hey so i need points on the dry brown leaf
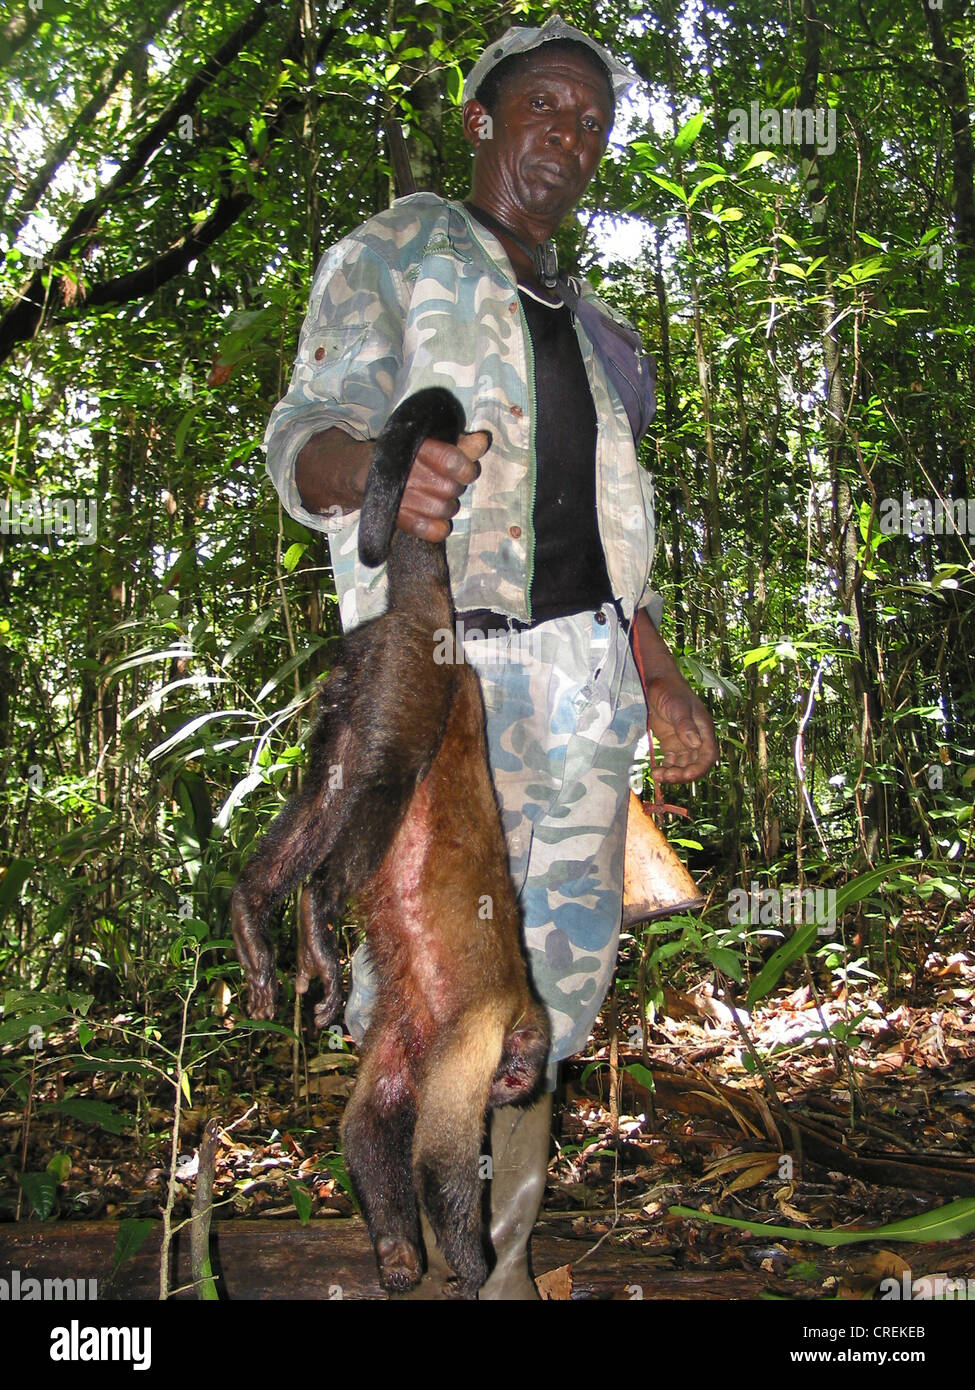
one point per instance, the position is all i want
(743, 1123)
(732, 1163)
(328, 1061)
(852, 1293)
(219, 372)
(556, 1286)
(787, 1209)
(753, 1176)
(884, 1264)
(326, 1086)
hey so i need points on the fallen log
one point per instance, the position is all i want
(332, 1259)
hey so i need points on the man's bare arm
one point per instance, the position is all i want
(331, 470)
(675, 715)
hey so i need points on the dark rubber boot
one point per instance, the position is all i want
(519, 1152)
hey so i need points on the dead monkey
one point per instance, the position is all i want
(398, 810)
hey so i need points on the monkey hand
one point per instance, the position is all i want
(262, 984)
(683, 727)
(439, 475)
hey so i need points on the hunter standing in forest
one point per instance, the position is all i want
(549, 534)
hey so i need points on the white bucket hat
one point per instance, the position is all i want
(519, 40)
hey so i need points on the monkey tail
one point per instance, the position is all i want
(434, 413)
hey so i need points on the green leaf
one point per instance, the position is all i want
(188, 730)
(166, 605)
(668, 949)
(726, 961)
(20, 1026)
(133, 1232)
(641, 1074)
(865, 884)
(265, 1026)
(771, 972)
(292, 555)
(95, 1112)
(747, 260)
(950, 1222)
(670, 186)
(334, 1164)
(302, 1200)
(145, 657)
(41, 1190)
(942, 885)
(709, 182)
(59, 1166)
(18, 872)
(759, 157)
(254, 631)
(689, 131)
(455, 84)
(284, 671)
(182, 429)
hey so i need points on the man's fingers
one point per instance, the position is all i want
(675, 764)
(687, 732)
(691, 773)
(439, 475)
(432, 497)
(683, 764)
(425, 527)
(455, 465)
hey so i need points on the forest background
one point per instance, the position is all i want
(171, 175)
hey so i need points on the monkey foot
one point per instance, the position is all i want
(318, 965)
(326, 1010)
(399, 1263)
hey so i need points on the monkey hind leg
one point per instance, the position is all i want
(377, 1140)
(451, 1107)
(318, 955)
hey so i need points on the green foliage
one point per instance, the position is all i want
(951, 1222)
(41, 1190)
(164, 213)
(132, 1235)
(302, 1200)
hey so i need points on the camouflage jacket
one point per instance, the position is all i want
(421, 295)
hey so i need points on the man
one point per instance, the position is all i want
(549, 532)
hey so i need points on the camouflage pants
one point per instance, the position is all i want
(565, 710)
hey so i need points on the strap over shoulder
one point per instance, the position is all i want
(632, 371)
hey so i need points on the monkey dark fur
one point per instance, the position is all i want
(398, 811)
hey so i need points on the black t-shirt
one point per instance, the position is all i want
(570, 568)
